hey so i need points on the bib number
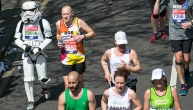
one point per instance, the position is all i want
(179, 16)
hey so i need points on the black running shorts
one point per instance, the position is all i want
(80, 68)
(181, 45)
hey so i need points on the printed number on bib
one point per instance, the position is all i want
(179, 16)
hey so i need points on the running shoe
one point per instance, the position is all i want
(163, 34)
(46, 93)
(30, 106)
(183, 90)
(153, 37)
(2, 33)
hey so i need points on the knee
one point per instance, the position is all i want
(155, 16)
(179, 63)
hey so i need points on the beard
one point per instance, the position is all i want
(73, 89)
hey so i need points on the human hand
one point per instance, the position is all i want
(78, 38)
(186, 25)
(27, 48)
(35, 50)
(122, 64)
(108, 77)
(60, 45)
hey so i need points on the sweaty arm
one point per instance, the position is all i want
(104, 64)
(92, 101)
(133, 97)
(61, 101)
(176, 100)
(136, 68)
(104, 100)
(146, 99)
(83, 26)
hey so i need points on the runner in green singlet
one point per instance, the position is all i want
(76, 97)
(160, 96)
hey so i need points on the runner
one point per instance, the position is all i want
(180, 34)
(70, 41)
(76, 97)
(33, 34)
(120, 97)
(121, 56)
(155, 20)
(160, 96)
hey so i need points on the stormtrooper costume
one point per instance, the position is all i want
(33, 41)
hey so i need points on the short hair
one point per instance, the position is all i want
(122, 72)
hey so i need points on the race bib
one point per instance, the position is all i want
(31, 32)
(179, 15)
(69, 43)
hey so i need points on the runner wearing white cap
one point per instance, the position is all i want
(121, 56)
(160, 96)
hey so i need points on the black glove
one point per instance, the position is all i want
(27, 48)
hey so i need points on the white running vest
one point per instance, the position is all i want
(119, 102)
(115, 61)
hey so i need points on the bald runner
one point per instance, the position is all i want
(76, 97)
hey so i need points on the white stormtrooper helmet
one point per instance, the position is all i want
(30, 12)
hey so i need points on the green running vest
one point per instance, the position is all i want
(80, 104)
(165, 102)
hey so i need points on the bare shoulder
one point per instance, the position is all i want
(133, 52)
(147, 92)
(91, 96)
(82, 24)
(61, 98)
(173, 89)
(90, 93)
(108, 52)
(58, 23)
(131, 93)
(80, 21)
(106, 92)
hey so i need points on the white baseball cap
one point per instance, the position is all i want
(121, 37)
(157, 74)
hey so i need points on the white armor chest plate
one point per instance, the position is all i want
(32, 34)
